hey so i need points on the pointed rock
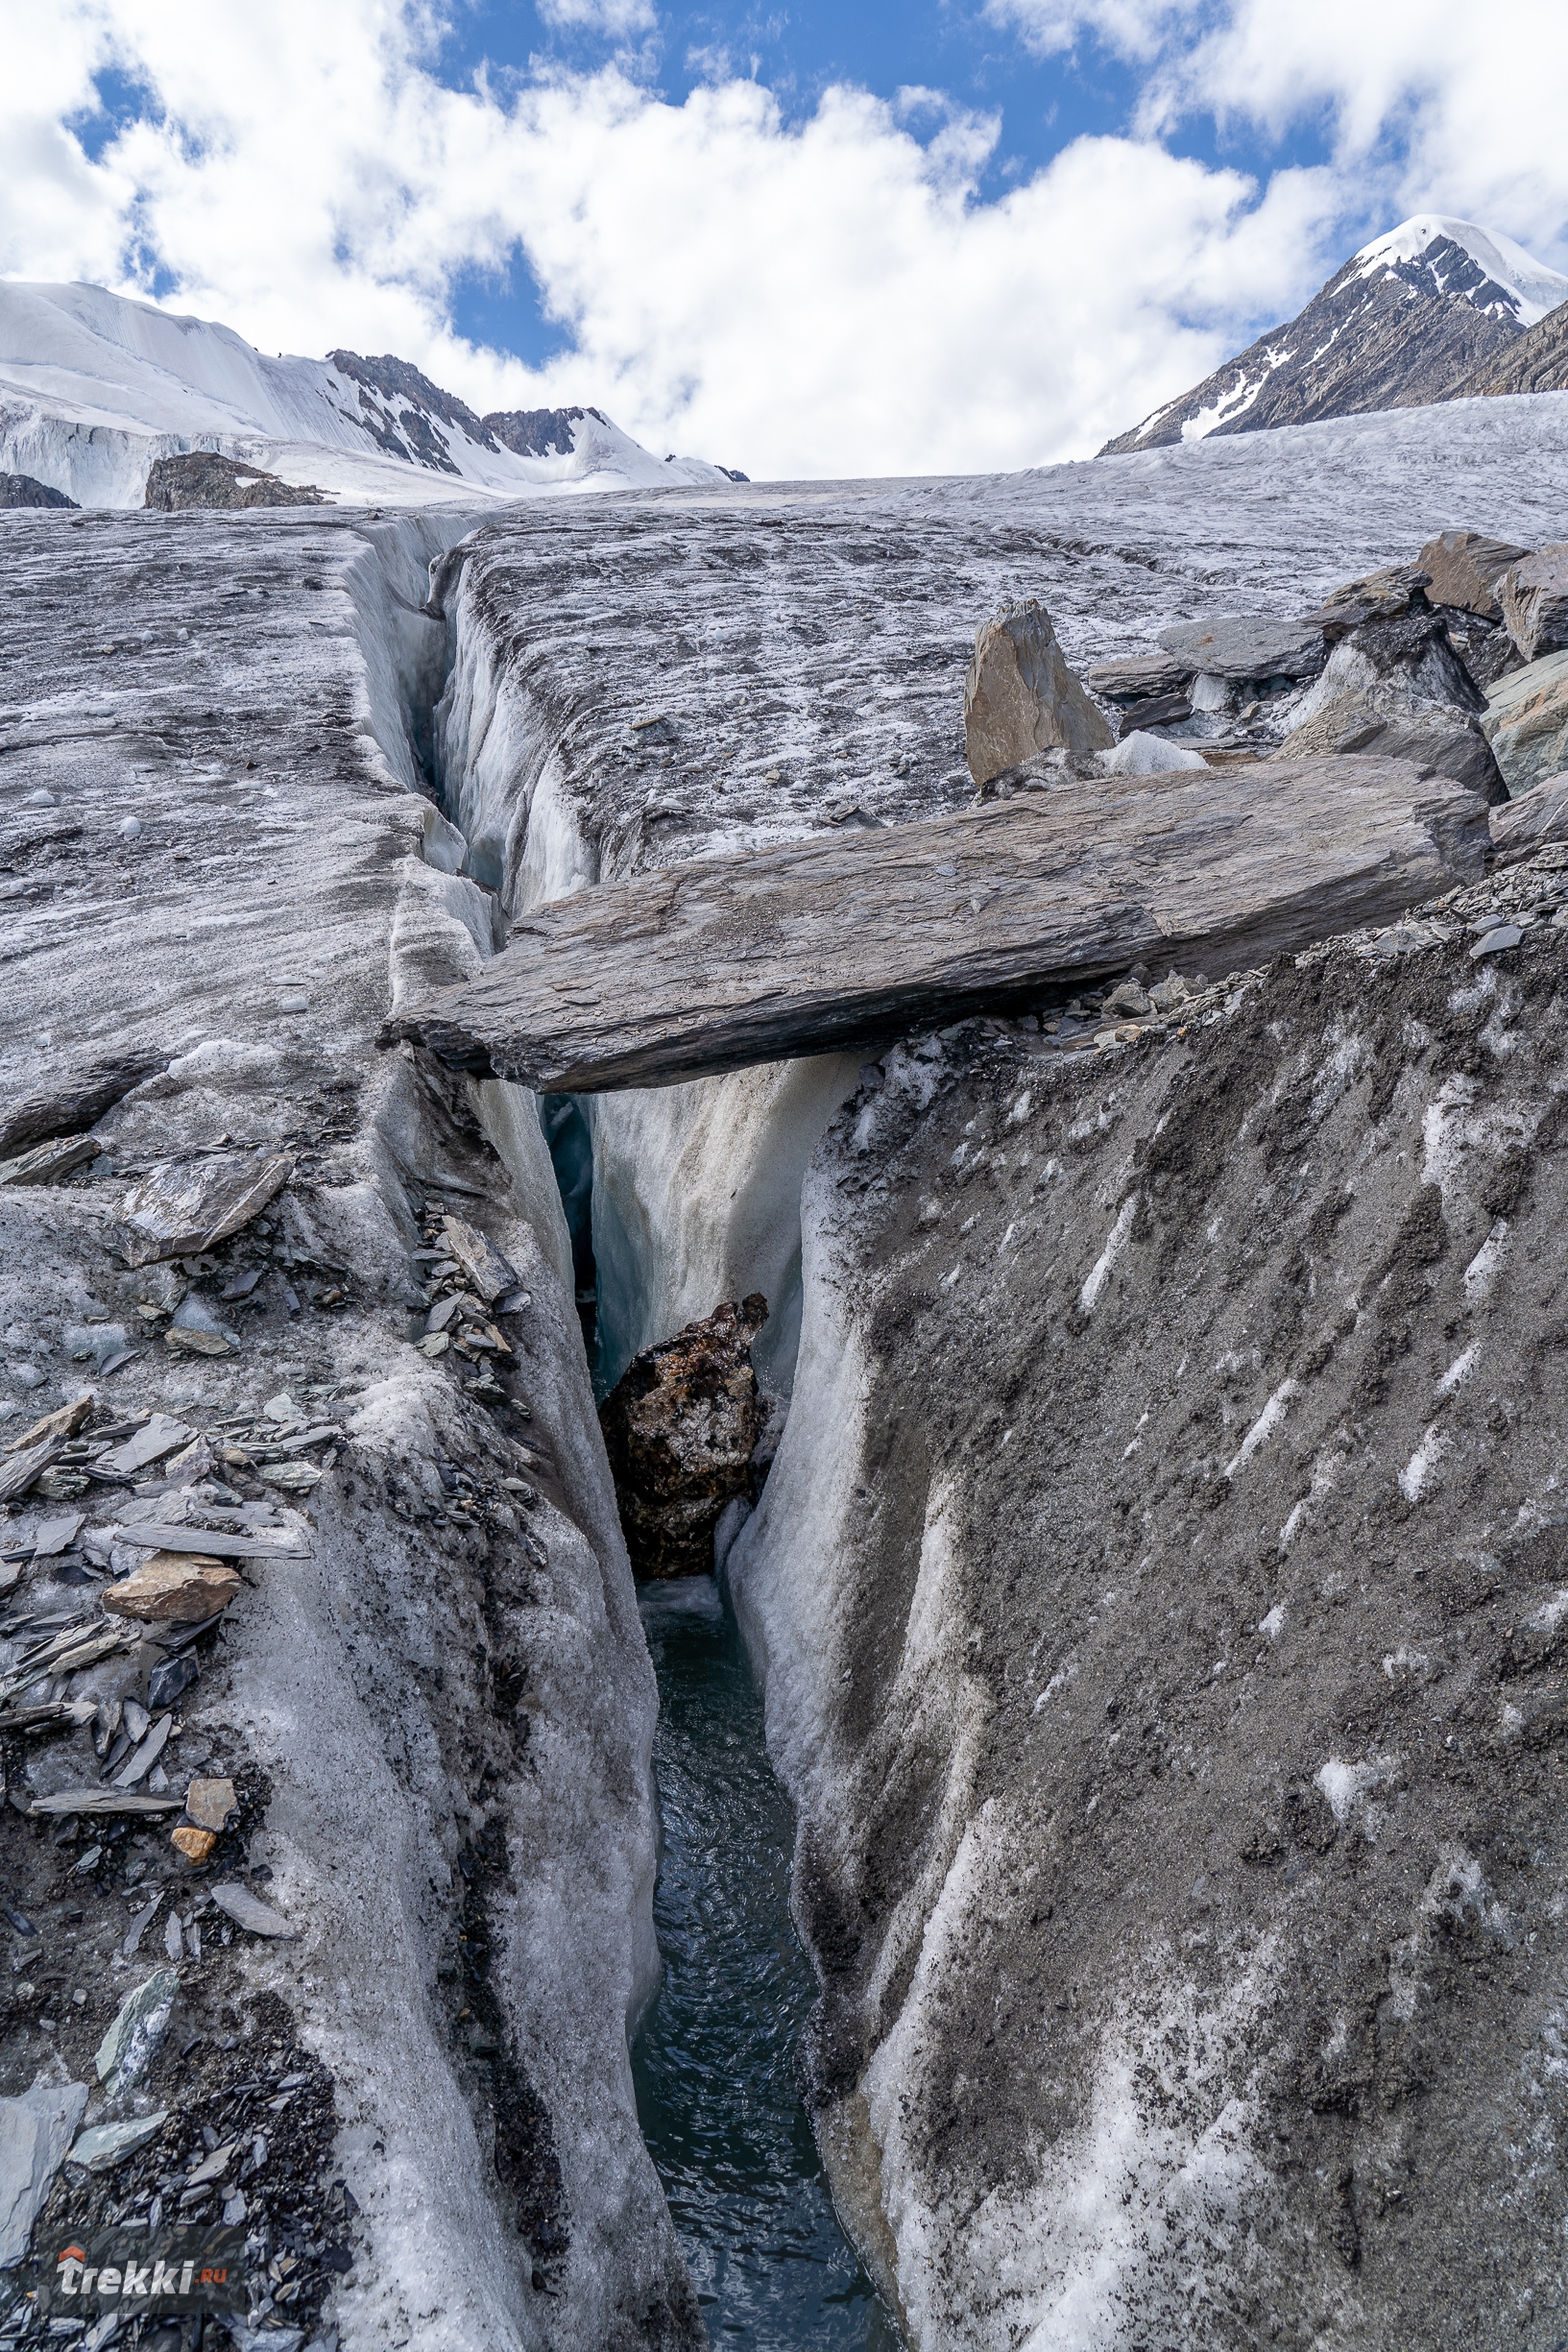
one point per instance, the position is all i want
(1020, 698)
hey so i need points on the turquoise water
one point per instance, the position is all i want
(715, 2061)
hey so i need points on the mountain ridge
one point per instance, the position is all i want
(96, 389)
(1415, 314)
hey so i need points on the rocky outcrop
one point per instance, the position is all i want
(1436, 740)
(1537, 362)
(680, 1427)
(1537, 818)
(1533, 595)
(1526, 722)
(21, 489)
(1020, 698)
(203, 478)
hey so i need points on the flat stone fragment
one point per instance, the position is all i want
(1526, 722)
(174, 1589)
(185, 1206)
(1534, 598)
(1238, 647)
(1020, 698)
(162, 1435)
(210, 1802)
(829, 944)
(46, 1161)
(35, 2133)
(246, 1910)
(107, 2144)
(1502, 935)
(18, 1472)
(1463, 570)
(103, 1801)
(64, 1423)
(210, 1540)
(483, 1264)
(138, 2026)
(56, 1535)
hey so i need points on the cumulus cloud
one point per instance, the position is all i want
(615, 19)
(828, 294)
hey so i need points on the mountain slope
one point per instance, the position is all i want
(1406, 320)
(95, 389)
(1536, 362)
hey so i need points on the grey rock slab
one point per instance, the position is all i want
(1533, 595)
(166, 1536)
(57, 1535)
(1501, 936)
(1241, 647)
(162, 1435)
(103, 1801)
(20, 1470)
(1020, 698)
(182, 1207)
(46, 1162)
(837, 944)
(140, 1762)
(35, 2131)
(1519, 828)
(249, 1911)
(105, 2144)
(481, 1261)
(137, 2027)
(1439, 741)
(1526, 722)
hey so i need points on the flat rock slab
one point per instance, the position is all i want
(825, 945)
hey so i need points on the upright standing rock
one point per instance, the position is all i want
(1464, 569)
(1019, 696)
(1534, 598)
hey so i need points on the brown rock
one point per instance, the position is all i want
(1534, 598)
(64, 1423)
(681, 1426)
(194, 1844)
(204, 479)
(1019, 696)
(210, 1802)
(1464, 569)
(174, 1589)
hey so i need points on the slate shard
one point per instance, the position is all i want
(681, 1426)
(184, 1206)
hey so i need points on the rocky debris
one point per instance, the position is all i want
(1521, 826)
(62, 1424)
(1463, 568)
(846, 942)
(21, 489)
(1526, 722)
(135, 2031)
(680, 1427)
(487, 1271)
(468, 1284)
(204, 479)
(79, 1094)
(1533, 595)
(159, 1436)
(180, 1588)
(36, 2131)
(1020, 698)
(184, 1207)
(1537, 362)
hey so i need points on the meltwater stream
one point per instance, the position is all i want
(713, 2063)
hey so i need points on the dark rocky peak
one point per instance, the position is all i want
(1446, 268)
(405, 410)
(539, 433)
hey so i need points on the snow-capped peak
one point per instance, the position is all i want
(1486, 268)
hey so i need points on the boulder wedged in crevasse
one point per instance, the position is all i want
(680, 1427)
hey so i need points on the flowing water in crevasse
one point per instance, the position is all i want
(714, 2060)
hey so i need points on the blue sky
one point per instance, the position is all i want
(1042, 102)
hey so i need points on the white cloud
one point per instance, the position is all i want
(615, 19)
(828, 296)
